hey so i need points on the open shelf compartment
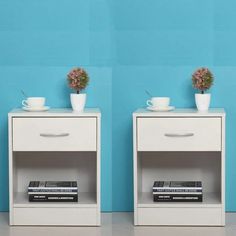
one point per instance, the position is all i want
(55, 166)
(179, 166)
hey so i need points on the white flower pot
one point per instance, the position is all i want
(78, 101)
(202, 101)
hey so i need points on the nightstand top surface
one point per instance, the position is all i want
(56, 112)
(185, 112)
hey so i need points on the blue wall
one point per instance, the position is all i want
(40, 41)
(127, 46)
(158, 44)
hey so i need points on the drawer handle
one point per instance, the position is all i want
(54, 135)
(179, 135)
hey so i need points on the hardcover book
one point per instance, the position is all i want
(177, 198)
(177, 186)
(53, 198)
(177, 191)
(52, 186)
(53, 191)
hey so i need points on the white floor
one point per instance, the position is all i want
(118, 224)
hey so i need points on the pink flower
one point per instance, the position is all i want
(202, 79)
(77, 79)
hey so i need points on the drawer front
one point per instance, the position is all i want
(55, 216)
(180, 216)
(179, 134)
(54, 134)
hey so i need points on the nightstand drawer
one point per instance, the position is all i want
(54, 134)
(55, 216)
(178, 134)
(180, 216)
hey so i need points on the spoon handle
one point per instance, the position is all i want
(149, 94)
(23, 93)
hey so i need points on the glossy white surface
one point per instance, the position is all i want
(33, 109)
(55, 145)
(179, 134)
(54, 112)
(55, 216)
(181, 112)
(57, 134)
(181, 145)
(160, 109)
(117, 224)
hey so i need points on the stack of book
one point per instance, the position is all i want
(177, 191)
(53, 191)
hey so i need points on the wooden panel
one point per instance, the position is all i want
(50, 134)
(179, 134)
(55, 216)
(180, 216)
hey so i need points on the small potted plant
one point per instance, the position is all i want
(202, 80)
(78, 80)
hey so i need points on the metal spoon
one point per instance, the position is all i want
(24, 94)
(149, 94)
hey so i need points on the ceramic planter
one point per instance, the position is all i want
(78, 101)
(203, 101)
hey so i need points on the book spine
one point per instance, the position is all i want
(177, 193)
(177, 198)
(54, 198)
(176, 190)
(53, 190)
(167, 184)
(43, 184)
(52, 193)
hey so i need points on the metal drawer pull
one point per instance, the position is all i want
(54, 135)
(179, 135)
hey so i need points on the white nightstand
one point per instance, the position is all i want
(55, 145)
(180, 145)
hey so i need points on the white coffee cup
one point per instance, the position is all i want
(160, 102)
(34, 102)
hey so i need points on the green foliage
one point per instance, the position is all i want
(78, 79)
(202, 79)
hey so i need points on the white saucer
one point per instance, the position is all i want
(45, 108)
(169, 108)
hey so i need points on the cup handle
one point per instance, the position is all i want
(149, 103)
(24, 103)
